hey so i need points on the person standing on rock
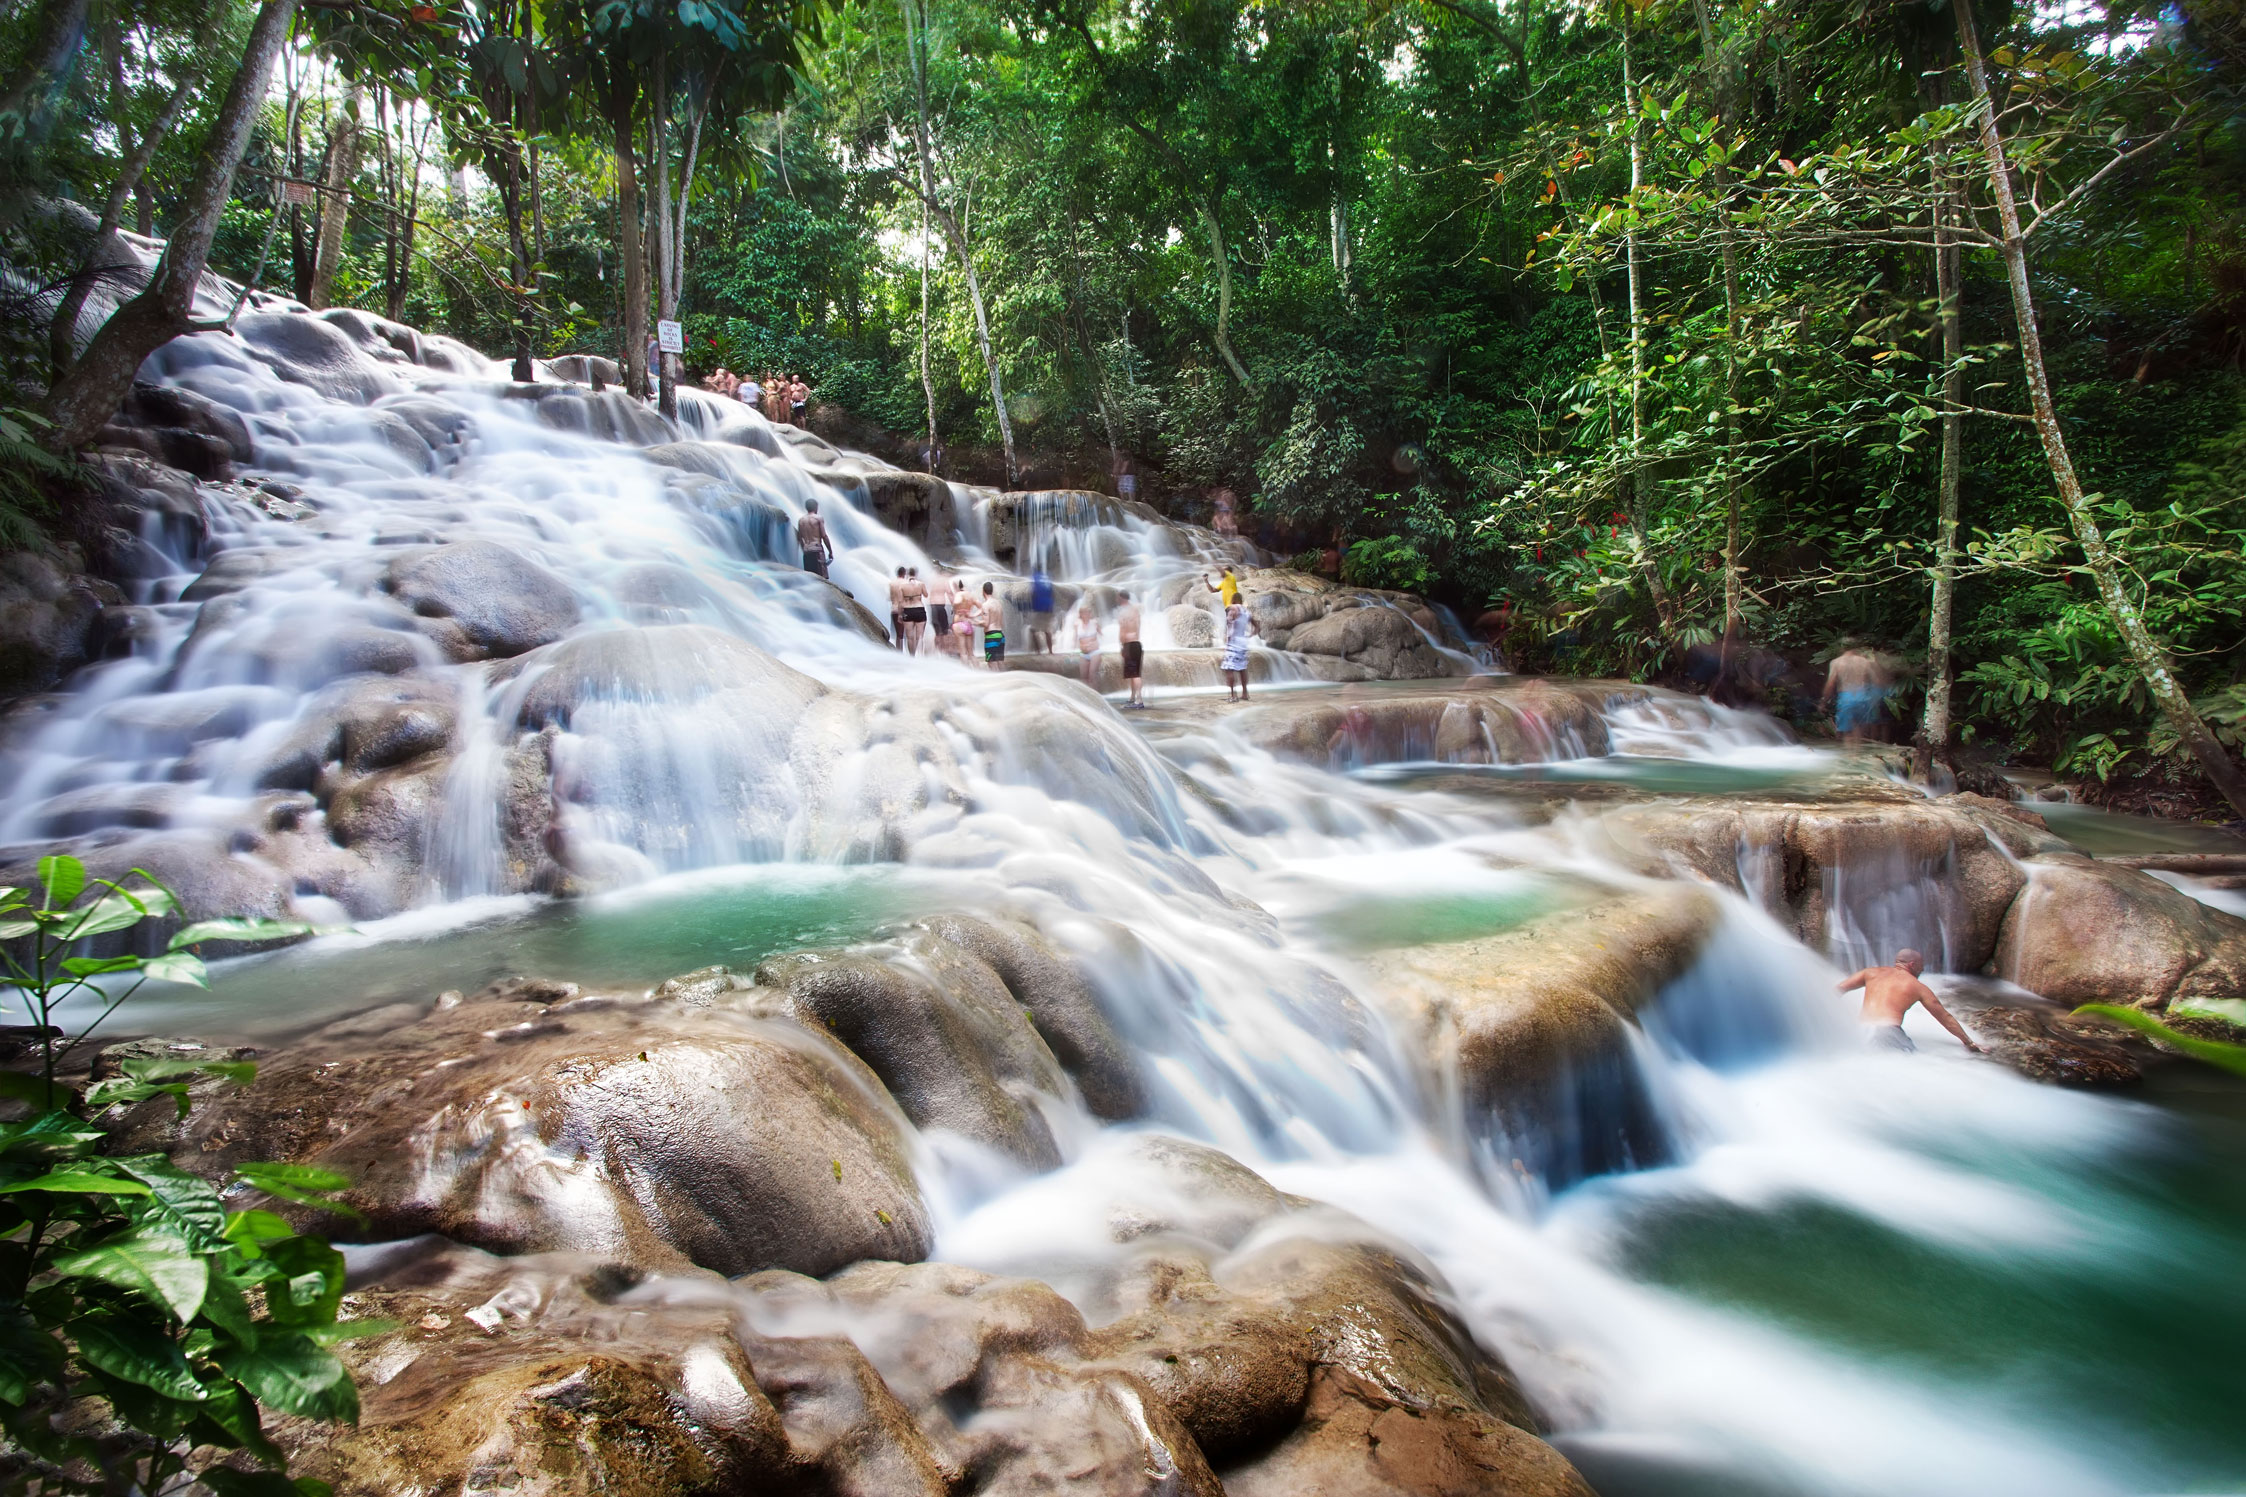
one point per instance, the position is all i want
(994, 627)
(939, 616)
(1238, 625)
(1134, 654)
(1040, 609)
(897, 609)
(1226, 587)
(914, 599)
(799, 399)
(1088, 645)
(1857, 686)
(811, 534)
(1889, 993)
(966, 621)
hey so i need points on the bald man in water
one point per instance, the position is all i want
(1889, 993)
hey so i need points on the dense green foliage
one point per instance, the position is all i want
(1365, 263)
(124, 1280)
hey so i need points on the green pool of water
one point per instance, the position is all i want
(2118, 834)
(2131, 1345)
(735, 916)
(1644, 772)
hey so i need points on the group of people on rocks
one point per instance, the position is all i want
(782, 398)
(950, 617)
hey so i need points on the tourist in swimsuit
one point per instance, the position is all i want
(1238, 625)
(799, 397)
(897, 609)
(1857, 687)
(915, 600)
(1889, 993)
(939, 618)
(966, 622)
(811, 534)
(1040, 609)
(1134, 655)
(994, 627)
(1088, 645)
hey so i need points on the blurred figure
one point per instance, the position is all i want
(966, 621)
(1889, 993)
(914, 597)
(939, 616)
(811, 534)
(1238, 625)
(1857, 685)
(1225, 521)
(1088, 645)
(1040, 610)
(1134, 654)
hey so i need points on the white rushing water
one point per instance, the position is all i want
(1205, 885)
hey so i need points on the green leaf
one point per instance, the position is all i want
(82, 1183)
(310, 1290)
(291, 1374)
(64, 878)
(29, 1355)
(94, 966)
(250, 1230)
(48, 1095)
(233, 1420)
(299, 1182)
(150, 1260)
(111, 912)
(239, 930)
(178, 966)
(2216, 1053)
(188, 1200)
(227, 1482)
(138, 1354)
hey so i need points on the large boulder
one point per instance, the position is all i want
(1857, 879)
(528, 1119)
(1534, 1023)
(50, 619)
(502, 603)
(1384, 639)
(548, 1377)
(2085, 932)
(1482, 720)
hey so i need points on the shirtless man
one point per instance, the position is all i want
(1856, 691)
(811, 534)
(1889, 993)
(897, 609)
(914, 597)
(1134, 653)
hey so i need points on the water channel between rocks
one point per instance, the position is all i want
(528, 685)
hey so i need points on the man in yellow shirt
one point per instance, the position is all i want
(1227, 587)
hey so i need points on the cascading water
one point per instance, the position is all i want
(462, 643)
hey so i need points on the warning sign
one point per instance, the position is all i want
(303, 194)
(670, 337)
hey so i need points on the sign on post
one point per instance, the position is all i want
(303, 194)
(670, 337)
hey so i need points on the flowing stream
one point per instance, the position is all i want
(1826, 1272)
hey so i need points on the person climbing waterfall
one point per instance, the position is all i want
(1857, 686)
(1226, 587)
(811, 534)
(1238, 625)
(1040, 610)
(1134, 654)
(1889, 993)
(994, 627)
(1088, 645)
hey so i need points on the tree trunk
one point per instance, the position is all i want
(1934, 729)
(62, 333)
(1734, 582)
(631, 247)
(659, 111)
(927, 380)
(335, 199)
(1639, 508)
(2150, 656)
(85, 398)
(1224, 291)
(27, 109)
(917, 40)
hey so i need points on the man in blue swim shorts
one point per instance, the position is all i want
(1856, 690)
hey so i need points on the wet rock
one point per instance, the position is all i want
(2046, 1043)
(1485, 720)
(504, 603)
(1898, 870)
(49, 620)
(586, 369)
(315, 351)
(545, 1376)
(1534, 1022)
(913, 504)
(610, 415)
(2084, 932)
(181, 429)
(633, 1129)
(1382, 639)
(202, 869)
(685, 665)
(956, 1052)
(231, 571)
(1063, 1006)
(1193, 628)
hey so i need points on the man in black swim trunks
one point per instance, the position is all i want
(811, 534)
(1134, 653)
